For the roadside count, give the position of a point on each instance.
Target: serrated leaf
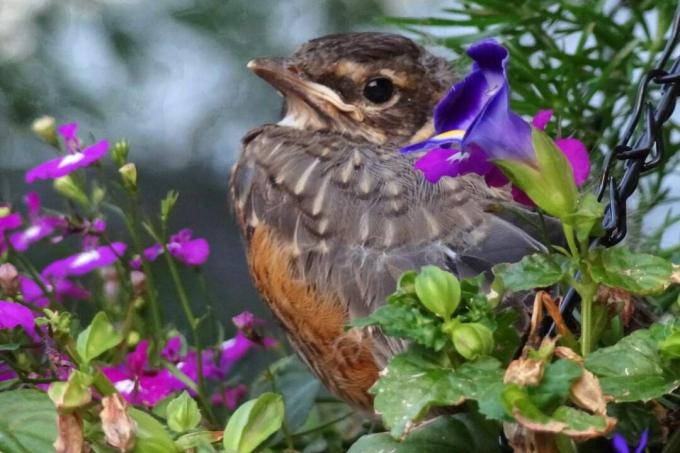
(97, 338)
(28, 421)
(460, 432)
(533, 271)
(253, 422)
(633, 369)
(182, 413)
(637, 273)
(410, 385)
(404, 319)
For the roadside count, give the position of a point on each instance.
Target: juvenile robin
(333, 213)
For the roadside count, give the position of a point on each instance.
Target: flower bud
(120, 151)
(438, 291)
(128, 173)
(473, 340)
(5, 210)
(67, 187)
(9, 279)
(45, 128)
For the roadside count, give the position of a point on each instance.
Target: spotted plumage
(332, 212)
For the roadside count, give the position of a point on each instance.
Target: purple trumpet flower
(74, 159)
(476, 130)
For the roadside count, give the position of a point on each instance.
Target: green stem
(587, 292)
(193, 324)
(571, 240)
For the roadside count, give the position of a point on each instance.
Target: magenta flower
(475, 127)
(229, 396)
(14, 315)
(182, 246)
(40, 226)
(6, 373)
(7, 223)
(621, 446)
(138, 383)
(74, 158)
(62, 288)
(85, 262)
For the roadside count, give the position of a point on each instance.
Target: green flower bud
(5, 211)
(670, 347)
(73, 393)
(438, 291)
(120, 152)
(128, 173)
(473, 340)
(67, 187)
(45, 128)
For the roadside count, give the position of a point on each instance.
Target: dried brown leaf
(70, 438)
(119, 428)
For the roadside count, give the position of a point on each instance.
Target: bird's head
(377, 86)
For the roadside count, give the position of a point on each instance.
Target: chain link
(645, 154)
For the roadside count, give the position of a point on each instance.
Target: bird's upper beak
(283, 75)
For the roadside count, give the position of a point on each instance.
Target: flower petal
(16, 315)
(577, 154)
(62, 166)
(40, 229)
(192, 253)
(68, 131)
(541, 119)
(87, 261)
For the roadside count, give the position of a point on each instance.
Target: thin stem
(587, 293)
(571, 240)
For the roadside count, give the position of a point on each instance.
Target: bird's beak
(283, 75)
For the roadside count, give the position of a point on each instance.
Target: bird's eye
(379, 90)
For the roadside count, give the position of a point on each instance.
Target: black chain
(645, 154)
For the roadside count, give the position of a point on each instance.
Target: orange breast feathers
(314, 320)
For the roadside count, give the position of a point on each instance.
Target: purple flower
(69, 133)
(6, 373)
(84, 262)
(184, 248)
(475, 127)
(138, 383)
(62, 166)
(61, 287)
(8, 222)
(16, 315)
(621, 446)
(39, 227)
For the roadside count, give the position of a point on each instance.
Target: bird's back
(331, 223)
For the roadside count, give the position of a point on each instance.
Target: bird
(332, 213)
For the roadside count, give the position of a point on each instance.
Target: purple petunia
(474, 126)
(74, 159)
(85, 262)
(621, 446)
(39, 227)
(14, 315)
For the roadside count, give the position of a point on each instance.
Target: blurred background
(171, 77)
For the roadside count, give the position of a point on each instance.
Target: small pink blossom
(39, 226)
(61, 287)
(62, 166)
(182, 246)
(14, 315)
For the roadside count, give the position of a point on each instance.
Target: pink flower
(62, 166)
(39, 228)
(7, 223)
(85, 262)
(16, 315)
(61, 287)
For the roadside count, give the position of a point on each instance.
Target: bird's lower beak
(283, 75)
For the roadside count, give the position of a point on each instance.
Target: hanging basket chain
(645, 154)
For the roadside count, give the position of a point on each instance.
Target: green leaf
(73, 393)
(438, 291)
(151, 436)
(99, 337)
(587, 218)
(182, 413)
(298, 387)
(410, 385)
(253, 422)
(637, 273)
(404, 319)
(553, 390)
(533, 271)
(28, 422)
(633, 369)
(460, 432)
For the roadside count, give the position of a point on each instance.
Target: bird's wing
(358, 216)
